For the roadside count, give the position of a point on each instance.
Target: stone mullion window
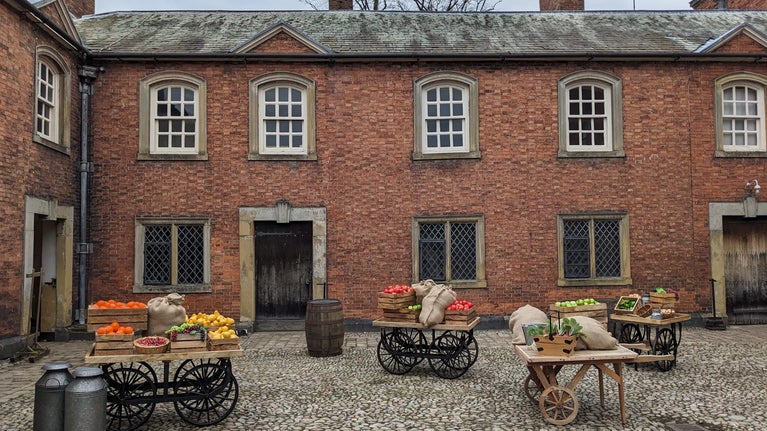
(449, 249)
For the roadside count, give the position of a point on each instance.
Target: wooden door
(283, 269)
(745, 267)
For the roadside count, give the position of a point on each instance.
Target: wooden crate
(401, 315)
(597, 312)
(188, 346)
(559, 346)
(460, 316)
(223, 343)
(136, 318)
(395, 301)
(637, 303)
(662, 299)
(117, 344)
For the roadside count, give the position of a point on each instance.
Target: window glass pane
(457, 94)
(576, 249)
(269, 95)
(586, 139)
(162, 110)
(298, 126)
(283, 94)
(271, 141)
(191, 254)
(284, 141)
(284, 126)
(573, 94)
(188, 109)
(163, 126)
(162, 141)
(431, 95)
(432, 252)
(587, 108)
(188, 95)
(572, 124)
(431, 111)
(298, 141)
(431, 126)
(444, 109)
(573, 139)
(269, 111)
(457, 109)
(728, 109)
(296, 111)
(599, 139)
(607, 248)
(189, 126)
(444, 141)
(586, 92)
(575, 108)
(175, 141)
(585, 124)
(444, 125)
(599, 93)
(175, 94)
(271, 126)
(458, 125)
(444, 93)
(188, 141)
(175, 126)
(740, 93)
(458, 140)
(162, 94)
(157, 257)
(175, 110)
(431, 141)
(283, 110)
(751, 139)
(463, 251)
(295, 95)
(599, 124)
(599, 108)
(740, 108)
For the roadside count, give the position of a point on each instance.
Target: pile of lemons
(207, 320)
(222, 332)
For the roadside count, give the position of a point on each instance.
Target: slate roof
(355, 33)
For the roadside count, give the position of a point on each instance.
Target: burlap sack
(164, 312)
(434, 303)
(596, 336)
(423, 287)
(525, 314)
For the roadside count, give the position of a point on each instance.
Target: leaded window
(173, 253)
(450, 250)
(594, 248)
(175, 119)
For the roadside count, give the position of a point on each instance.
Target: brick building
(256, 160)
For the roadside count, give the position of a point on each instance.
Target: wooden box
(117, 344)
(632, 310)
(597, 312)
(223, 343)
(395, 301)
(559, 346)
(662, 298)
(460, 316)
(136, 318)
(401, 315)
(196, 345)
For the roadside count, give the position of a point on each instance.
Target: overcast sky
(503, 5)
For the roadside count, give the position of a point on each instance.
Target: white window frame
(53, 92)
(140, 228)
(469, 117)
(259, 86)
(747, 80)
(148, 119)
(156, 129)
(612, 116)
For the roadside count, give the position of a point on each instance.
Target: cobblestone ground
(717, 384)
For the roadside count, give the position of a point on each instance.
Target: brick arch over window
(739, 107)
(53, 102)
(590, 115)
(446, 117)
(172, 117)
(281, 117)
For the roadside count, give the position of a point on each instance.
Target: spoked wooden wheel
(558, 405)
(398, 350)
(130, 395)
(452, 357)
(206, 391)
(533, 387)
(630, 333)
(665, 344)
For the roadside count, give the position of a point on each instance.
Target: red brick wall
(365, 178)
(741, 44)
(340, 4)
(26, 168)
(731, 4)
(547, 5)
(81, 7)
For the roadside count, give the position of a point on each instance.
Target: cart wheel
(558, 405)
(398, 350)
(630, 333)
(468, 340)
(131, 389)
(665, 344)
(533, 387)
(452, 357)
(207, 391)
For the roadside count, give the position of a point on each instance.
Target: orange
(115, 326)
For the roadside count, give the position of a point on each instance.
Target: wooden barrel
(324, 327)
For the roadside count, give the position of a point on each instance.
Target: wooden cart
(660, 347)
(450, 354)
(557, 402)
(203, 389)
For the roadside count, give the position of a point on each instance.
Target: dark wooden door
(745, 270)
(283, 269)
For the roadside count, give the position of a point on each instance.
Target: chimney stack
(340, 4)
(551, 5)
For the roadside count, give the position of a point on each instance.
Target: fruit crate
(460, 316)
(395, 301)
(115, 344)
(401, 315)
(188, 343)
(632, 310)
(662, 298)
(597, 312)
(136, 318)
(559, 346)
(216, 344)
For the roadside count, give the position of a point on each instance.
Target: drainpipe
(87, 75)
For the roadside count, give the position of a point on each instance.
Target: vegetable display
(581, 301)
(460, 304)
(627, 303)
(185, 328)
(114, 329)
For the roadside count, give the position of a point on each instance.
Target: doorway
(283, 253)
(745, 267)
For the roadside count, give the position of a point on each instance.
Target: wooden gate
(745, 267)
(283, 253)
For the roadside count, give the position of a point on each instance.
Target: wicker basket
(140, 349)
(644, 310)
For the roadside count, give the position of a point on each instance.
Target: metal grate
(607, 248)
(190, 254)
(157, 254)
(432, 251)
(463, 251)
(576, 249)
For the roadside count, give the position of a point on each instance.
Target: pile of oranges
(117, 304)
(114, 328)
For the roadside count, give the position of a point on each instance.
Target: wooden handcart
(450, 354)
(657, 339)
(557, 402)
(203, 389)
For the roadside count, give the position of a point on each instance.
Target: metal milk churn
(49, 396)
(85, 401)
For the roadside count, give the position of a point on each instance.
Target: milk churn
(49, 396)
(85, 401)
